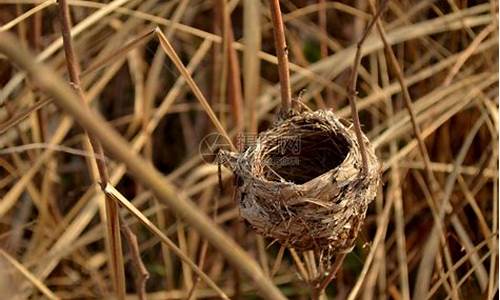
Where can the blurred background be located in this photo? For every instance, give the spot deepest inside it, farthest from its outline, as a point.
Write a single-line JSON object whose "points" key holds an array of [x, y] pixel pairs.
{"points": [[431, 233]]}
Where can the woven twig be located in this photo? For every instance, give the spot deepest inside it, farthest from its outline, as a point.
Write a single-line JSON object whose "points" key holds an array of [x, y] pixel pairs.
{"points": [[301, 182]]}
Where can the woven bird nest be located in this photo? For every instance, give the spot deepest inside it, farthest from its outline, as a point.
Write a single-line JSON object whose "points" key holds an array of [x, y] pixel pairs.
{"points": [[301, 182]]}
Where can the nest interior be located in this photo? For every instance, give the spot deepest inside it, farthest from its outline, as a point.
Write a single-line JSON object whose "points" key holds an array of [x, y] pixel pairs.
{"points": [[309, 149]]}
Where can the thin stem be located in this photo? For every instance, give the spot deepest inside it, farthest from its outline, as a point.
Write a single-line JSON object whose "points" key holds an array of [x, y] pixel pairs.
{"points": [[143, 274], [115, 194], [18, 117], [333, 271], [169, 50], [434, 185], [234, 90], [201, 263], [359, 135], [112, 209], [352, 89], [323, 46], [251, 62], [53, 85], [115, 55], [282, 54], [409, 106]]}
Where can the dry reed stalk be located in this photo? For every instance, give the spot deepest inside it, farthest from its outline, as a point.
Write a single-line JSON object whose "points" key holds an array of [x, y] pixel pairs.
{"points": [[112, 192], [378, 238], [234, 91], [201, 263], [204, 247], [365, 172], [104, 10], [408, 103], [282, 55], [112, 209], [27, 14], [352, 85], [29, 276], [335, 64], [169, 50], [468, 52], [57, 136], [396, 192], [17, 118], [432, 243], [430, 40], [112, 142], [324, 44], [251, 62], [277, 262], [115, 55], [433, 182]]}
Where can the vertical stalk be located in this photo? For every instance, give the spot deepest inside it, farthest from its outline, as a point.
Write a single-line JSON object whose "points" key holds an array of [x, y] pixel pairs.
{"points": [[353, 93], [112, 209], [323, 46], [359, 135], [282, 54]]}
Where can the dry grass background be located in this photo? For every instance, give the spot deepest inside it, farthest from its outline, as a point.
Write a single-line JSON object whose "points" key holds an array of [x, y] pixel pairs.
{"points": [[432, 232]]}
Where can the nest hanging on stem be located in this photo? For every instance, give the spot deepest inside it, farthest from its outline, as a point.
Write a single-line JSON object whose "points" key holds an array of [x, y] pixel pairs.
{"points": [[302, 184]]}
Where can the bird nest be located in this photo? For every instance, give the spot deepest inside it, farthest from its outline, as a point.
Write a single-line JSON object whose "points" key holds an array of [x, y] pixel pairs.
{"points": [[301, 182]]}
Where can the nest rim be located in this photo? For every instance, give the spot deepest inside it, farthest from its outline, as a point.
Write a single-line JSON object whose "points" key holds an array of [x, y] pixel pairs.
{"points": [[337, 139]]}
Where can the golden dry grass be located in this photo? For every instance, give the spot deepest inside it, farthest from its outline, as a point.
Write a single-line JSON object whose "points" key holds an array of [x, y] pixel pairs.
{"points": [[159, 76]]}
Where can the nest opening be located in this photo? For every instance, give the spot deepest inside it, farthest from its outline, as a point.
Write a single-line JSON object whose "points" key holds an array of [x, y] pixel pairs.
{"points": [[310, 152]]}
